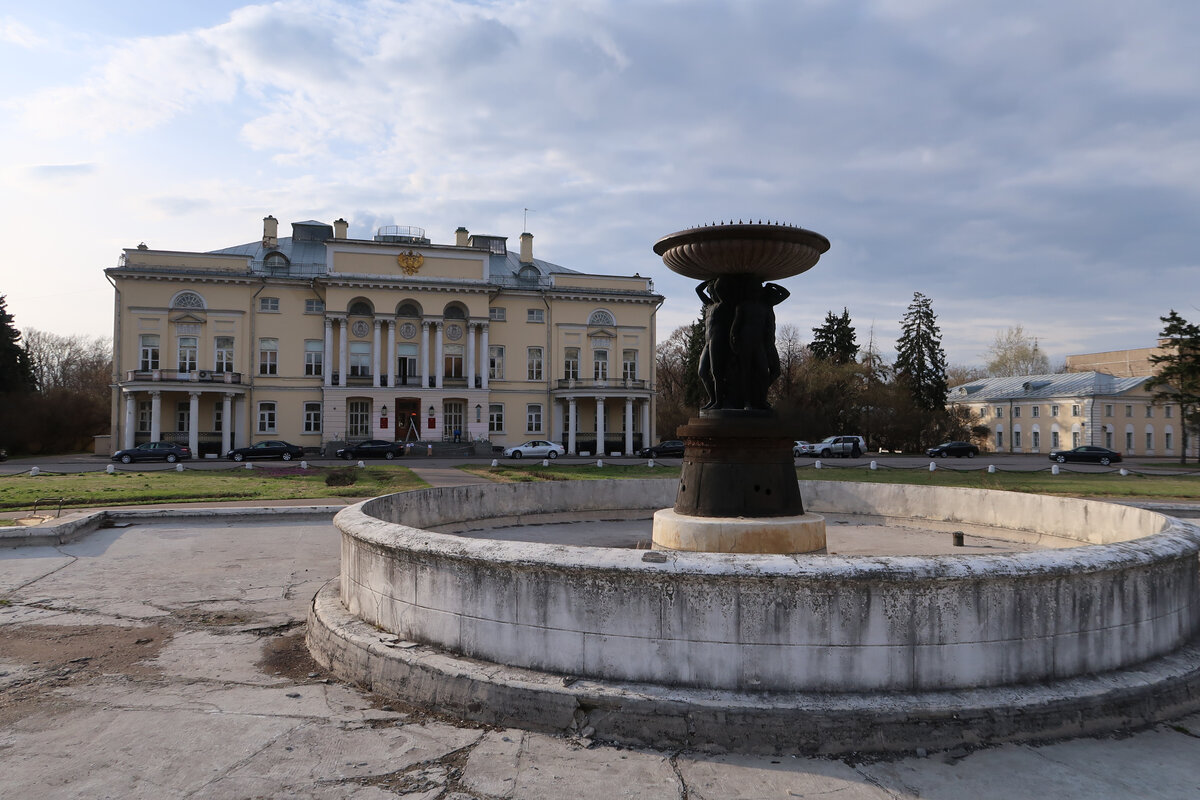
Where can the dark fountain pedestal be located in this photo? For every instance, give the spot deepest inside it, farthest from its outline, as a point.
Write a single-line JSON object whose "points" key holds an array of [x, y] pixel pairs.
{"points": [[738, 491]]}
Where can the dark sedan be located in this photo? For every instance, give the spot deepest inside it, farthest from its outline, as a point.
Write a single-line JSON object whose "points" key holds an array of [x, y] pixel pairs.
{"points": [[1088, 454], [153, 451], [268, 449], [956, 449], [672, 448], [372, 448]]}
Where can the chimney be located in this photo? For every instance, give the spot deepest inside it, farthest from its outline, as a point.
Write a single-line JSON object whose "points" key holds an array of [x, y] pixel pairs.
{"points": [[340, 228], [270, 231], [526, 248], [461, 237]]}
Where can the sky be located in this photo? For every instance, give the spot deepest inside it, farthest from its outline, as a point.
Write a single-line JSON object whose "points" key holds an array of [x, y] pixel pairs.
{"points": [[1020, 163]]}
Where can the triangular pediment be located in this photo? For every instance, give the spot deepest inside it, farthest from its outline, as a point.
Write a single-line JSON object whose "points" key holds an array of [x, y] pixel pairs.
{"points": [[188, 316]]}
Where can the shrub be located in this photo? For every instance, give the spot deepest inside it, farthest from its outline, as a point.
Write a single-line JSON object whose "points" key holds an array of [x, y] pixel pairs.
{"points": [[341, 477]]}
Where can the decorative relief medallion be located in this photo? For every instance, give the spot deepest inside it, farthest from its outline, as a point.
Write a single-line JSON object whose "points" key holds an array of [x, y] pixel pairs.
{"points": [[410, 262], [408, 330], [360, 328], [454, 332]]}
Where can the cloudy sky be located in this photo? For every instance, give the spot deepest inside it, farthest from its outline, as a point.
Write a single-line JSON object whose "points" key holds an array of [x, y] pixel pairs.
{"points": [[1024, 163]]}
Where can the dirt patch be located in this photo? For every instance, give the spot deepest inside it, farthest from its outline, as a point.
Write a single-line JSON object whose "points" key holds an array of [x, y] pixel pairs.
{"points": [[195, 616], [288, 656]]}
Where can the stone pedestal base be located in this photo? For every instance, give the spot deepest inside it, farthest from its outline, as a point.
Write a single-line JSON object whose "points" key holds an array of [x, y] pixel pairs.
{"points": [[797, 534]]}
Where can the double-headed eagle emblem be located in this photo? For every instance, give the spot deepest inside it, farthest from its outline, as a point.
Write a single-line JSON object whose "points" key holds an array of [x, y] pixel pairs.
{"points": [[410, 262]]}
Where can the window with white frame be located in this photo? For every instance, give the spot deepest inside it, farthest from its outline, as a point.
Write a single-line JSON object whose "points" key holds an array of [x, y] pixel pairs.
{"points": [[1016, 411], [1054, 439], [144, 410], [360, 359], [601, 317], [1129, 441], [533, 364], [497, 314], [495, 418], [149, 352], [314, 356], [571, 363], [1129, 410], [999, 440], [629, 363], [183, 416], [314, 306], [1149, 412], [1167, 411], [1016, 438], [312, 417], [1108, 439], [268, 304], [1036, 440], [496, 362], [406, 365], [218, 417], [1075, 410], [1035, 411], [223, 354], [600, 365], [1076, 439], [535, 315], [533, 418], [358, 418], [1054, 413], [452, 359], [999, 411], [1149, 441], [266, 417], [188, 350], [268, 356], [1108, 409], [1167, 440]]}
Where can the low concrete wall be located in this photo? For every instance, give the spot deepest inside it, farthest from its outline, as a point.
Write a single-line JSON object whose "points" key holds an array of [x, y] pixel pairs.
{"points": [[771, 622]]}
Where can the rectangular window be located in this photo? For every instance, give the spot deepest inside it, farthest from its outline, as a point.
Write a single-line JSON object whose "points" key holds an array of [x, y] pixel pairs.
{"points": [[1037, 441], [629, 364], [188, 348], [312, 417], [533, 418], [406, 365], [218, 418], [1108, 439], [1075, 439], [314, 356], [496, 362], [495, 418], [1167, 443], [223, 354], [1149, 441], [496, 313], [1129, 411], [571, 363], [1036, 411], [1054, 413], [360, 359], [999, 440], [1167, 412], [1074, 410], [600, 365], [266, 417], [999, 411], [358, 419], [1108, 409], [268, 304], [535, 315], [1129, 441], [183, 416], [1054, 440], [1016, 439], [1149, 412], [533, 363], [143, 419], [268, 356], [312, 306], [149, 352], [1016, 411]]}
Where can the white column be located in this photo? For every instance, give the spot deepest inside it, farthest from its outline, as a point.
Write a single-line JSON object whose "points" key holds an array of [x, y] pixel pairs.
{"points": [[194, 423], [376, 342], [227, 420], [572, 424], [484, 357], [130, 419], [343, 351], [600, 426], [438, 368], [647, 441], [392, 372], [628, 426], [155, 416], [424, 357], [327, 363], [470, 355]]}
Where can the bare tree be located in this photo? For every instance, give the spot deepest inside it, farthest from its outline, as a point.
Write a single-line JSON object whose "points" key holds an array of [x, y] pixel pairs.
{"points": [[1013, 353]]}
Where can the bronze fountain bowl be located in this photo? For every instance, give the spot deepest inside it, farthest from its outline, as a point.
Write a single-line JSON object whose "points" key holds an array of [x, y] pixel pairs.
{"points": [[766, 251]]}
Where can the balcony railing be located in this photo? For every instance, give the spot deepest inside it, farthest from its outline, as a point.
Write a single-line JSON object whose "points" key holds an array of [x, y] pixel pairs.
{"points": [[593, 383], [187, 376]]}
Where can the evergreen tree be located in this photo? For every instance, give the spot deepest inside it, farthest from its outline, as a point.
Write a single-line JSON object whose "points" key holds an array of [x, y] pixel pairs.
{"points": [[16, 367], [834, 341], [694, 395], [1178, 377], [920, 360]]}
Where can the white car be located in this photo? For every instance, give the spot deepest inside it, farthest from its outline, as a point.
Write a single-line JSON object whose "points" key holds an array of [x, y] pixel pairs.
{"points": [[536, 448]]}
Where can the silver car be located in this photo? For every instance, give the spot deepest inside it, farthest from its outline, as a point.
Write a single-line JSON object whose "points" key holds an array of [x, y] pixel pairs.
{"points": [[536, 448], [841, 446]]}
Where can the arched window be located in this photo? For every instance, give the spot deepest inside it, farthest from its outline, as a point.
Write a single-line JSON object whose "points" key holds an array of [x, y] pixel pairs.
{"points": [[360, 308], [454, 312], [529, 273], [408, 310], [601, 317], [187, 300], [275, 262]]}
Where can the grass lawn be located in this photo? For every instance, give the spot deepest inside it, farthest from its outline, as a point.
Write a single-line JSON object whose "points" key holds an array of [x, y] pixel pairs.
{"points": [[567, 472], [261, 483]]}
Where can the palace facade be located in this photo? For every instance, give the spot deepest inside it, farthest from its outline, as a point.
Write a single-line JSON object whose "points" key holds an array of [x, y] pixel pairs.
{"points": [[319, 339]]}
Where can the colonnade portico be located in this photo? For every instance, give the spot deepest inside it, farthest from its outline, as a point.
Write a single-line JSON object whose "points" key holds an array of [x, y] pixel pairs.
{"points": [[231, 401], [336, 373], [571, 407]]}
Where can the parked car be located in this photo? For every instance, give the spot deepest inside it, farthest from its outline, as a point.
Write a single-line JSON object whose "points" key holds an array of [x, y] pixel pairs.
{"points": [[956, 449], [153, 451], [1086, 454], [841, 446], [372, 448], [271, 449], [671, 448], [535, 448], [803, 448], [3, 454]]}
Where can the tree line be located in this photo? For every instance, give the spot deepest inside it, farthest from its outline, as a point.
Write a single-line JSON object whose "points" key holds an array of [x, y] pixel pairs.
{"points": [[54, 389]]}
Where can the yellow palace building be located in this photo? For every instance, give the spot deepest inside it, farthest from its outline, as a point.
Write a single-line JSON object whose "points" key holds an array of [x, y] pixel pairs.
{"points": [[319, 339]]}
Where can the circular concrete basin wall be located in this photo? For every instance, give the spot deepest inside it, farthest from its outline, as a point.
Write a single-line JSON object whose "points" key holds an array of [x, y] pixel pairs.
{"points": [[773, 622]]}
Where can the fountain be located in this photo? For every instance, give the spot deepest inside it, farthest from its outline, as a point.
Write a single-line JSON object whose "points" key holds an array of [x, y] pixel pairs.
{"points": [[736, 632]]}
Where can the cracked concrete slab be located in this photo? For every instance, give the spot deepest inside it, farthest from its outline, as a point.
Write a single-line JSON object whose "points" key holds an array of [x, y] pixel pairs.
{"points": [[741, 777]]}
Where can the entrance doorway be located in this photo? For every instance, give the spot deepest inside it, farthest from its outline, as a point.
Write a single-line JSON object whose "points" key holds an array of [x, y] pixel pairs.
{"points": [[452, 419], [408, 419]]}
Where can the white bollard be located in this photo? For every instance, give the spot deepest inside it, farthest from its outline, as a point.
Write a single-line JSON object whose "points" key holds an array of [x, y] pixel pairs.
{"points": [[362, 464], [249, 465], [874, 465], [429, 452], [1054, 469], [303, 465], [599, 462], [179, 467], [545, 462], [34, 471], [110, 469], [817, 464], [650, 463], [933, 466], [1124, 471], [495, 463], [992, 468]]}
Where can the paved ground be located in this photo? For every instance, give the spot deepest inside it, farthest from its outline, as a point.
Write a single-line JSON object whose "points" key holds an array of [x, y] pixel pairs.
{"points": [[166, 660]]}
